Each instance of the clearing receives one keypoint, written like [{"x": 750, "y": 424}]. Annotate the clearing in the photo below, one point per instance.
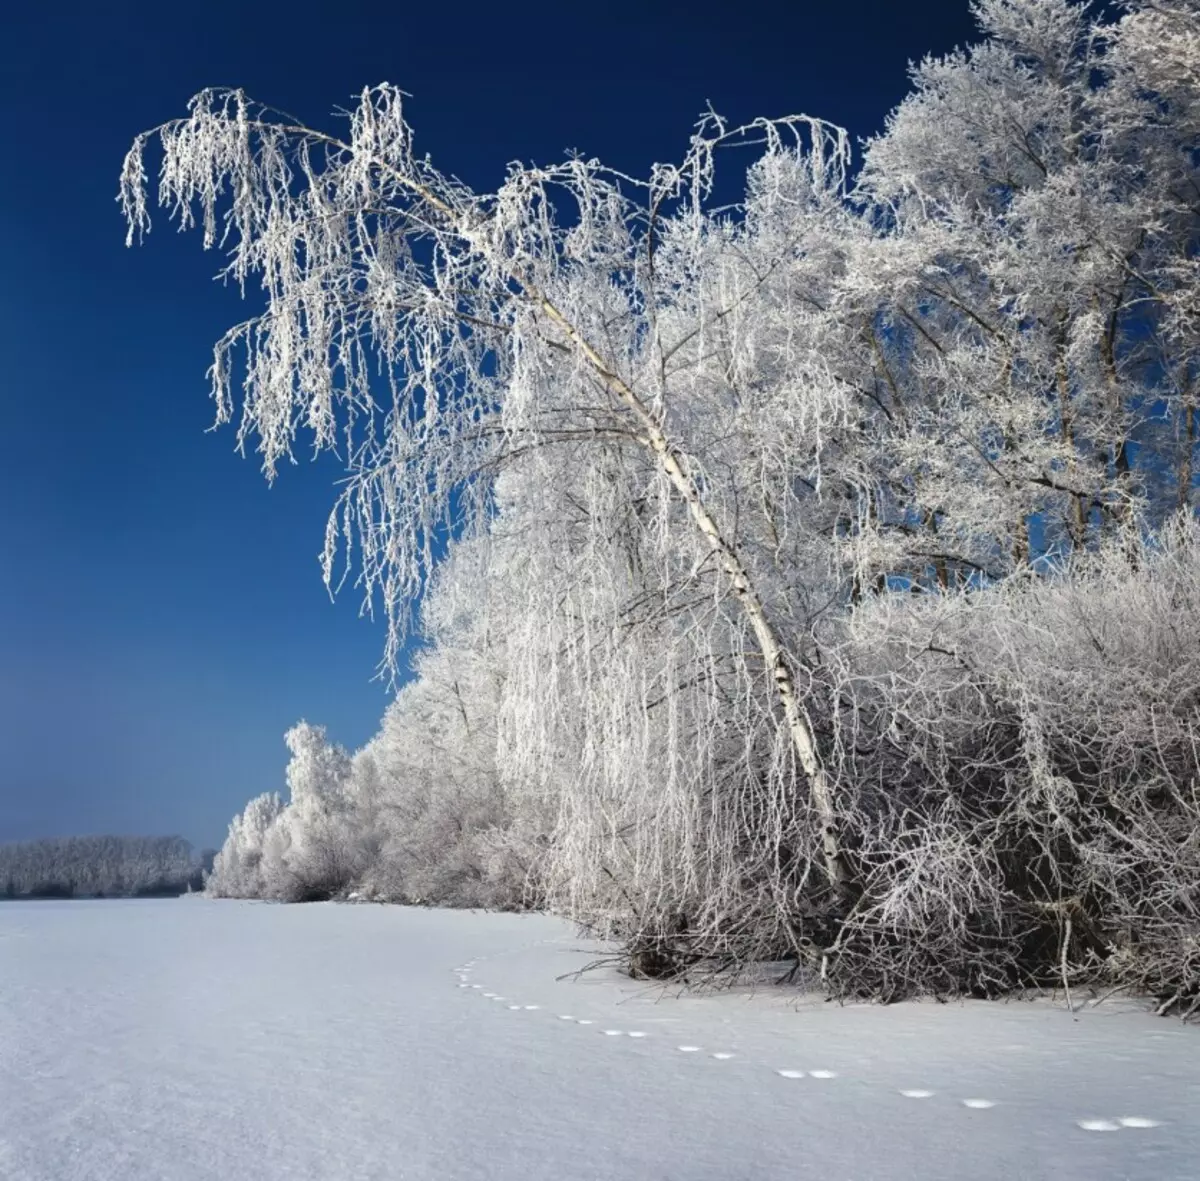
[{"x": 189, "y": 1039}]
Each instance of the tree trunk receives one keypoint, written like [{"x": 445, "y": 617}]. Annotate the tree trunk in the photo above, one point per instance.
[{"x": 1184, "y": 493}]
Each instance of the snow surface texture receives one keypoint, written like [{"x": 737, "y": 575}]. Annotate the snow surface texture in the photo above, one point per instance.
[{"x": 194, "y": 1039}]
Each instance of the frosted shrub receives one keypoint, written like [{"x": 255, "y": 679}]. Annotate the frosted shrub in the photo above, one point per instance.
[{"x": 1026, "y": 760}]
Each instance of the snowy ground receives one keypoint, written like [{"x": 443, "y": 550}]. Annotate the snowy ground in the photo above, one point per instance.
[{"x": 218, "y": 1040}]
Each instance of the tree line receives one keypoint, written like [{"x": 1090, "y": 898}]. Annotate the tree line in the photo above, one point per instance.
[
  {"x": 812, "y": 579},
  {"x": 100, "y": 867}
]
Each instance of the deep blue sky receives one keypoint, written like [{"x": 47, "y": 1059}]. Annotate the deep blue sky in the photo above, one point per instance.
[{"x": 162, "y": 618}]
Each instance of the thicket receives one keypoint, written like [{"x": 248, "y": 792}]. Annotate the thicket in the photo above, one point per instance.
[{"x": 820, "y": 575}]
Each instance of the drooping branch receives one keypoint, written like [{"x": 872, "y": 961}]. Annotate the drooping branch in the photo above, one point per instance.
[{"x": 379, "y": 247}]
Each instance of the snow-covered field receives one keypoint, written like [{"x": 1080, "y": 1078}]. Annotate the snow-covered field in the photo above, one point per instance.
[{"x": 192, "y": 1039}]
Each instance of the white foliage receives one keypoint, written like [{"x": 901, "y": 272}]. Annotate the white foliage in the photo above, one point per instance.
[
  {"x": 654, "y": 468},
  {"x": 238, "y": 869},
  {"x": 103, "y": 865}
]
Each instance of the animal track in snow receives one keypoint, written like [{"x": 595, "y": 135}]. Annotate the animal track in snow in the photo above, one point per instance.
[{"x": 1090, "y": 1125}]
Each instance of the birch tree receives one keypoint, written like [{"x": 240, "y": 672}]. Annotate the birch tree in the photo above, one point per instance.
[{"x": 500, "y": 322}]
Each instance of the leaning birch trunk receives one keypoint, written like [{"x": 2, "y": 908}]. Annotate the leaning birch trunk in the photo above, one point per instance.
[{"x": 674, "y": 464}]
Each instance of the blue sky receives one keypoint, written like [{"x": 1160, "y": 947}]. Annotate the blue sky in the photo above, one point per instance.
[{"x": 162, "y": 617}]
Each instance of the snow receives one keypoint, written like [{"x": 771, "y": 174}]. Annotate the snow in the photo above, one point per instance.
[{"x": 190, "y": 1039}]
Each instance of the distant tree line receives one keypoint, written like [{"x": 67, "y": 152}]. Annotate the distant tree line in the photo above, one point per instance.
[{"x": 100, "y": 867}]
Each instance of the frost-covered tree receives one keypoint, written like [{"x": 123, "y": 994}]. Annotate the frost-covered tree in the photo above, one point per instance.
[
  {"x": 303, "y": 849},
  {"x": 310, "y": 850},
  {"x": 419, "y": 814},
  {"x": 452, "y": 827},
  {"x": 1023, "y": 302},
  {"x": 318, "y": 770},
  {"x": 237, "y": 869},
  {"x": 571, "y": 310}
]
